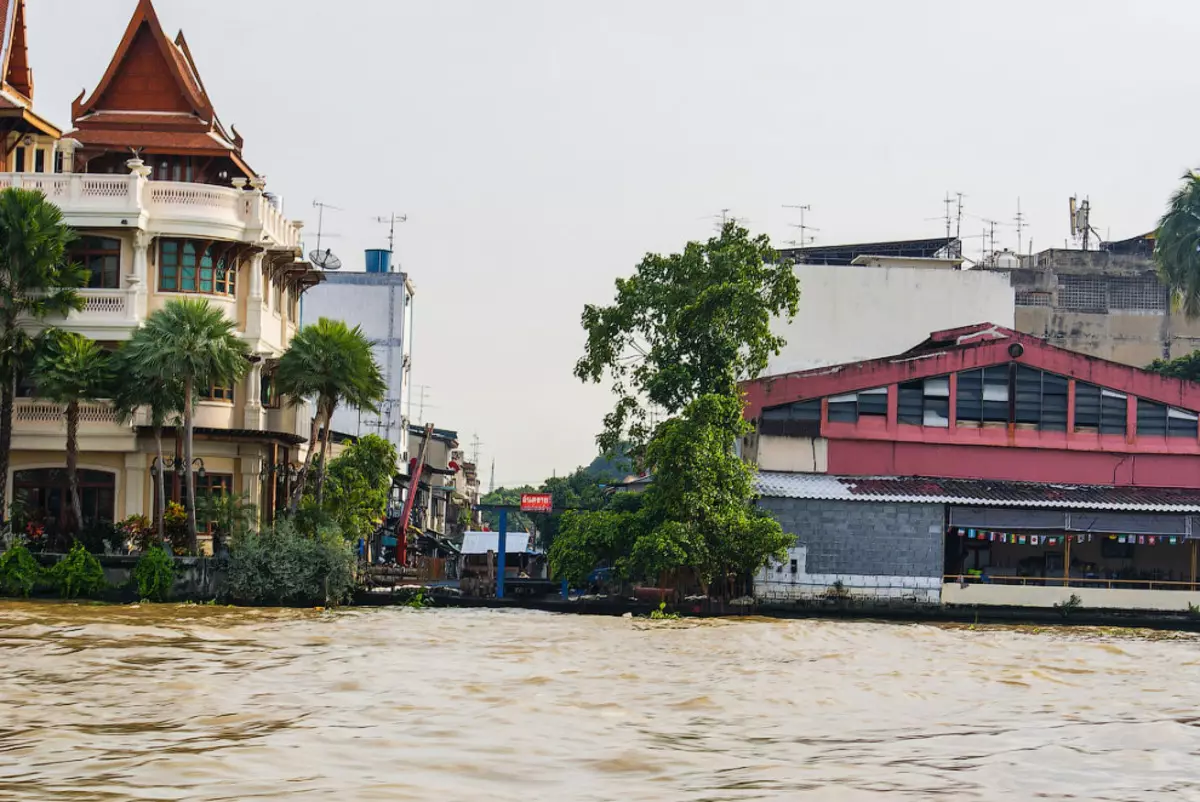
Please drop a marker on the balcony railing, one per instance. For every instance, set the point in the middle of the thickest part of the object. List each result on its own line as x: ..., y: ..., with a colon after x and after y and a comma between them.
x: 37, y: 412
x: 166, y: 206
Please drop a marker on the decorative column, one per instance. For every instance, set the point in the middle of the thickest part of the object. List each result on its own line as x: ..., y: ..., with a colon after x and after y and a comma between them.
x: 253, y: 395
x: 254, y: 303
x: 139, y: 279
x: 135, y: 485
x: 251, y: 467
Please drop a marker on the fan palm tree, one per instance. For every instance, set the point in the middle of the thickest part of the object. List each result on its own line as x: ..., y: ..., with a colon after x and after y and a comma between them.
x: 71, y: 369
x: 333, y: 363
x: 192, y: 344
x: 1177, y: 246
x: 36, y: 281
x: 164, y: 399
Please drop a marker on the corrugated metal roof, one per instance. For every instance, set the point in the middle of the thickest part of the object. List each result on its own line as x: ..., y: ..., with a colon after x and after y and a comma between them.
x: 483, y: 542
x: 979, y: 492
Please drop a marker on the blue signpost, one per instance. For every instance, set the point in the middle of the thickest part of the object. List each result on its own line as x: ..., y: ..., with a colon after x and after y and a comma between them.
x: 502, y: 547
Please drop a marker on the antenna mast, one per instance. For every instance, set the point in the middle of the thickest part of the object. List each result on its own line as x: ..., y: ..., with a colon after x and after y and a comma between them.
x: 805, y: 240
x: 321, y: 207
x: 1020, y: 218
x: 392, y: 220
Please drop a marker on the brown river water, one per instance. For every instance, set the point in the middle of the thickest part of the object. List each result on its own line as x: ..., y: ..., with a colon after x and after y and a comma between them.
x: 203, y: 703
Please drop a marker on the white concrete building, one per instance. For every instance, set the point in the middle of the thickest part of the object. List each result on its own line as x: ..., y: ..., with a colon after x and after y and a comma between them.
x: 862, y: 304
x: 381, y: 303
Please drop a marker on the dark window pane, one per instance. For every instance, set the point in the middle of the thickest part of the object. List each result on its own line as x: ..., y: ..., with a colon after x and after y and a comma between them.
x: 1181, y: 423
x: 873, y: 402
x: 1151, y: 418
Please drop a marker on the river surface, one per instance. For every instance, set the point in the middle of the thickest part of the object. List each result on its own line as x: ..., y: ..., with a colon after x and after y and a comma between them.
x: 203, y: 703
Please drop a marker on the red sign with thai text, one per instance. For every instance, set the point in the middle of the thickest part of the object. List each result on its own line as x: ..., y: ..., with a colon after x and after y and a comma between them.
x: 537, y: 502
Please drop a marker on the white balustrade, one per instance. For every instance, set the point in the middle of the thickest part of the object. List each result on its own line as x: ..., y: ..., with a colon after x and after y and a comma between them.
x: 235, y: 213
x: 33, y: 411
x: 105, y: 302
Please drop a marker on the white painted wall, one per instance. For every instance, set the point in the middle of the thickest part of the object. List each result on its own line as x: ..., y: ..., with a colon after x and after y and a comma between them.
x: 377, y: 303
x: 984, y: 594
x: 778, y: 583
x: 854, y: 313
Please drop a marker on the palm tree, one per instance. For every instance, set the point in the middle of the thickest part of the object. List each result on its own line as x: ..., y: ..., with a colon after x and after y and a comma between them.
x: 164, y: 399
x: 72, y: 369
x: 1177, y: 246
x: 36, y: 281
x: 333, y: 363
x: 193, y: 344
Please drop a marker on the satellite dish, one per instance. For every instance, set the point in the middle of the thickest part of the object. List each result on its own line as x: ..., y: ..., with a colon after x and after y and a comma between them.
x: 325, y: 260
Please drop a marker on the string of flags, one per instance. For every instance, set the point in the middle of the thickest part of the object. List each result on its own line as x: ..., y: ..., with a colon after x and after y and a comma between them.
x: 1058, y: 540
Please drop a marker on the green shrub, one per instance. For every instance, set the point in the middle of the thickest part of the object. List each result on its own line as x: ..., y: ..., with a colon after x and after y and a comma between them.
x: 285, y: 566
x: 78, y: 574
x: 154, y: 575
x: 19, y: 571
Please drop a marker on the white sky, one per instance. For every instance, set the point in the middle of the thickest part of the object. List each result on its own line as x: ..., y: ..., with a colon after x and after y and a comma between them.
x: 540, y: 147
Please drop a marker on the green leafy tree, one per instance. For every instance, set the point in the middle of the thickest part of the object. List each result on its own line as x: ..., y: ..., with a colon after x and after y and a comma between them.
x: 164, y: 398
x: 78, y: 574
x: 37, y: 281
x: 1177, y: 246
x: 703, y: 493
x: 19, y: 571
x: 360, y: 482
x: 333, y: 363
x: 686, y: 325
x: 154, y: 575
x: 192, y: 343
x: 587, y: 539
x: 1184, y: 367
x: 70, y: 370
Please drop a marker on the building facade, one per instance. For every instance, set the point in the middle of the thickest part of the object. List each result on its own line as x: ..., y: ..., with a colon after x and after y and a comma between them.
x: 983, y: 466
x: 165, y: 206
x: 381, y: 302
x: 1108, y: 303
x: 910, y: 288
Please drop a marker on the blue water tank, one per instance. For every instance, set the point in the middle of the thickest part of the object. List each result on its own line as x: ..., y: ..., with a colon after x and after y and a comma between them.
x: 379, y: 261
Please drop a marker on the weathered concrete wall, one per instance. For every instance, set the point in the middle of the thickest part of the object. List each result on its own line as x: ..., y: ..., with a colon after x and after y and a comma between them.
x: 793, y: 454
x: 1110, y: 306
x: 1089, y: 598
x: 853, y: 313
x: 887, y: 550
x: 196, y: 579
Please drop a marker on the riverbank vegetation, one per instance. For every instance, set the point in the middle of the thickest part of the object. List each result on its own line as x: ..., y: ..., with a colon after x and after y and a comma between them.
x: 677, y: 340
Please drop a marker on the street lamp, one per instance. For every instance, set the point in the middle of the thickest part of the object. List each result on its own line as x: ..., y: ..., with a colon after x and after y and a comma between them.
x: 178, y: 465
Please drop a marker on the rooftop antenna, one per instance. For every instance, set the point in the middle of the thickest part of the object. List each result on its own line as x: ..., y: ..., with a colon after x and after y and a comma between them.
x: 804, y: 229
x: 392, y: 220
x: 1020, y: 218
x: 424, y: 388
x: 492, y: 481
x: 1081, y: 223
x: 324, y: 259
x: 475, y: 444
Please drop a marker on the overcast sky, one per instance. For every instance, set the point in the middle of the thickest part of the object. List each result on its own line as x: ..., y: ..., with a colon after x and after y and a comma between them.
x: 541, y: 148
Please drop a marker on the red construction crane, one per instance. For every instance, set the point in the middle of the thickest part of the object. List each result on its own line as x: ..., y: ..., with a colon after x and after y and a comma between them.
x: 415, y: 469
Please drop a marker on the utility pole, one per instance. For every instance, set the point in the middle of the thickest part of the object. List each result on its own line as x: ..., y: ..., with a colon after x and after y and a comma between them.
x: 805, y: 240
x: 492, y: 481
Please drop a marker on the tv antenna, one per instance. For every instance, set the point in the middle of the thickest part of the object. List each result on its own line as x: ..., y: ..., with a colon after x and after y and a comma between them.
x: 392, y: 220
x: 805, y: 240
x: 1020, y: 218
x: 321, y: 207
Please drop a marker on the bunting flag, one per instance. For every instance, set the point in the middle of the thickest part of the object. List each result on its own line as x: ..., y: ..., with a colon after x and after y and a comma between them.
x: 1016, y: 539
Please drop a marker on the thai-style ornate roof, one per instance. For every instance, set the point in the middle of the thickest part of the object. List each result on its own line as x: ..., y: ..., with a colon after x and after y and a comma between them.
x: 16, y: 83
x: 152, y: 98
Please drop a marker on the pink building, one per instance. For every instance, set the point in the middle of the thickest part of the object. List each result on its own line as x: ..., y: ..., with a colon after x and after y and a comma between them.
x: 983, y: 466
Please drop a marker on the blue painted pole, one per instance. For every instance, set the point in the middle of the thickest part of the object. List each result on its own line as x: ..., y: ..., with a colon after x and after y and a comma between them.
x: 566, y: 591
x: 503, y: 549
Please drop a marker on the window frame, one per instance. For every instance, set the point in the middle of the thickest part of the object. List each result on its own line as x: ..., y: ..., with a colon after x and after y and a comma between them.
x: 183, y: 268
x: 87, y: 254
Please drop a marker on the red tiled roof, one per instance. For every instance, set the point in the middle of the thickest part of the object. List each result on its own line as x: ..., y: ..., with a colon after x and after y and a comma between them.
x: 171, y: 140
x: 981, y: 492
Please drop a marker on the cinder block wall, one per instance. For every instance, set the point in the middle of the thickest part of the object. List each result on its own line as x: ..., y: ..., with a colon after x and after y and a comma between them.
x: 870, y: 539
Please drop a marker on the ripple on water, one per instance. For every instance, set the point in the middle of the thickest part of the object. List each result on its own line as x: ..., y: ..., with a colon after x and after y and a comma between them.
x: 202, y: 703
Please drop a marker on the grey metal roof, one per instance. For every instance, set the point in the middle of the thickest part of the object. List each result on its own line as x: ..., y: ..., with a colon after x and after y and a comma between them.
x: 977, y: 492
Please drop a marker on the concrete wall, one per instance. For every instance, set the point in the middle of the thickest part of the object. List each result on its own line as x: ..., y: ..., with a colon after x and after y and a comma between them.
x: 884, y: 550
x: 377, y: 303
x: 792, y: 454
x: 1090, y: 598
x: 854, y: 313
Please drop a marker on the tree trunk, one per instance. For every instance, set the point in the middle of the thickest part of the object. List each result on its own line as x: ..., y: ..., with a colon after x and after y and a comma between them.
x: 161, y: 504
x: 302, y: 477
x: 75, y: 525
x: 323, y: 460
x: 6, y: 418
x: 189, y: 477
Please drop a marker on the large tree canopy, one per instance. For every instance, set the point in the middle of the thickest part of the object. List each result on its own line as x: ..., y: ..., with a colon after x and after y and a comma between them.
x: 687, y: 325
